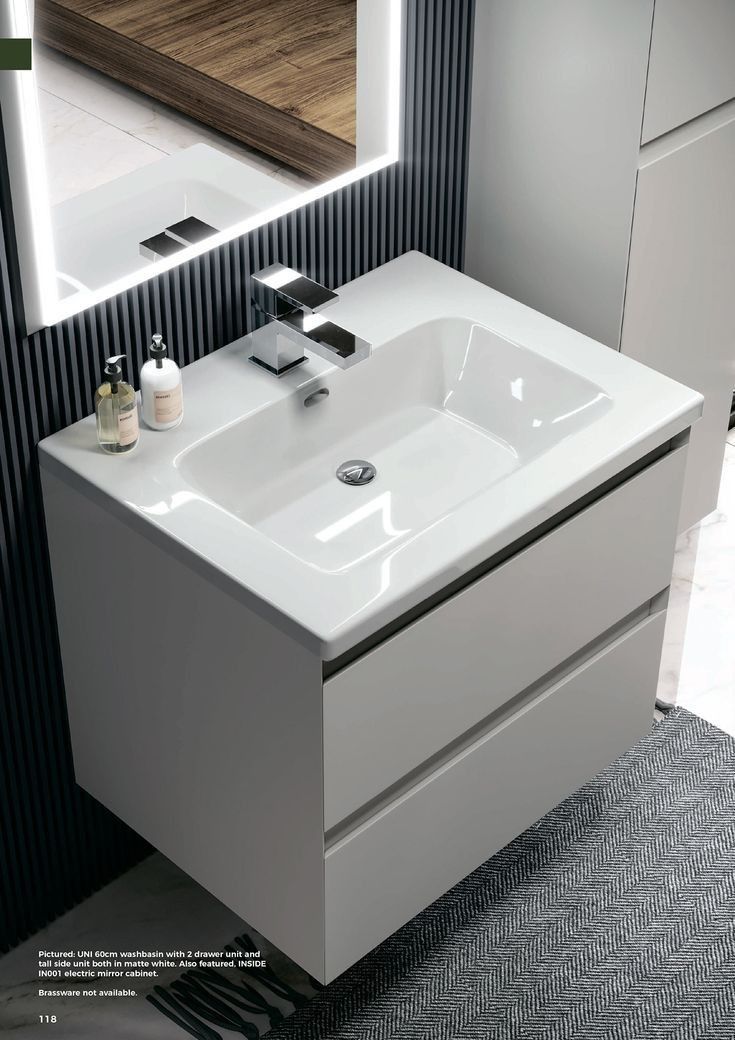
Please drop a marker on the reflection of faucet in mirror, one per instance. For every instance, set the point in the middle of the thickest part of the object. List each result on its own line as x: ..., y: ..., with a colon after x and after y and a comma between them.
x: 292, y: 302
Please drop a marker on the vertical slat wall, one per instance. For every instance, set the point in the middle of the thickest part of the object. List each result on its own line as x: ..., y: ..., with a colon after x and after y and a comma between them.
x: 56, y: 844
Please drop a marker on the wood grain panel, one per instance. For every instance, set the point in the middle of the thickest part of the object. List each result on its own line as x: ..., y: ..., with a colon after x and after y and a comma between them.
x: 279, y: 77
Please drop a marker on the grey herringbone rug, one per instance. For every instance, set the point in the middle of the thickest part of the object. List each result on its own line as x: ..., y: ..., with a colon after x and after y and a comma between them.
x: 613, y: 917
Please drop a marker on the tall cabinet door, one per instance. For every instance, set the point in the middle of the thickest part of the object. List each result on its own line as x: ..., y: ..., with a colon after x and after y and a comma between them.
x: 691, y: 68
x: 680, y: 301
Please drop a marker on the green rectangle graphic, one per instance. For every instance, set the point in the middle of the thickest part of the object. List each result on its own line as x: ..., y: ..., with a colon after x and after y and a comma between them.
x: 15, y: 54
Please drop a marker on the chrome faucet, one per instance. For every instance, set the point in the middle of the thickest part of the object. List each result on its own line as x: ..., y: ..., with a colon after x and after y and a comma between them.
x: 293, y: 303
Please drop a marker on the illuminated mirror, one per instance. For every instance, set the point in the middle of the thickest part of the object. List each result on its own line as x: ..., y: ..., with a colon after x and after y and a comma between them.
x: 149, y: 131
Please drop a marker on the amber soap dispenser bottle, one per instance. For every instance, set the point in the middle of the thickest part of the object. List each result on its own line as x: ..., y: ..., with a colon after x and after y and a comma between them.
x: 116, y: 408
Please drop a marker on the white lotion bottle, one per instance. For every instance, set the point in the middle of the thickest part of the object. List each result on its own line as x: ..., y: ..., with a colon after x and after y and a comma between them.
x: 162, y: 401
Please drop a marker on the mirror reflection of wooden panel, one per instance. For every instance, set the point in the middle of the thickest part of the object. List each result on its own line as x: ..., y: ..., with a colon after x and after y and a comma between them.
x: 278, y: 76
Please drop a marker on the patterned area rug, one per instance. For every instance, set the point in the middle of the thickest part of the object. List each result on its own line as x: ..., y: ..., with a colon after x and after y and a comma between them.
x: 613, y: 917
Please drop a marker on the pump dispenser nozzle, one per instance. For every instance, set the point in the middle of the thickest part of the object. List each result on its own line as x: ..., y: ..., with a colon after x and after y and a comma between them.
x: 158, y: 350
x: 113, y: 370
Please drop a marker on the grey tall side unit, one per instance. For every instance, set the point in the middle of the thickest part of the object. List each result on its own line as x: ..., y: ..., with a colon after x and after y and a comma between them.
x: 601, y: 185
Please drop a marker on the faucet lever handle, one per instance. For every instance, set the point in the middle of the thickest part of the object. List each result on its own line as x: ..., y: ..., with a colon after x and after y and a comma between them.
x: 278, y: 284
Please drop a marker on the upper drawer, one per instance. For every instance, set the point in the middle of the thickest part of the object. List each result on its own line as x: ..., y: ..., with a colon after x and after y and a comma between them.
x: 398, y: 705
x: 692, y: 63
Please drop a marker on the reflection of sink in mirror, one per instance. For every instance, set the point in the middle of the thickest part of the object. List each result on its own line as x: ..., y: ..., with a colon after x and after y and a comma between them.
x: 122, y: 88
x: 445, y: 391
x: 98, y: 233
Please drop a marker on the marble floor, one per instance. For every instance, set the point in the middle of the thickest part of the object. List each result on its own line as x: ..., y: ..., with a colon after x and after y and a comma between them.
x: 156, y: 906
x: 96, y: 129
x: 698, y: 663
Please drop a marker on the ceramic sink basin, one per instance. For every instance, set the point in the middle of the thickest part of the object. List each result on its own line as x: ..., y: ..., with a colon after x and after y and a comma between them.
x: 448, y: 410
x: 483, y: 419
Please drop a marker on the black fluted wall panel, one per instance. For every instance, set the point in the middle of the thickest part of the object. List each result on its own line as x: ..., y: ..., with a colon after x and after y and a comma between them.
x: 57, y: 844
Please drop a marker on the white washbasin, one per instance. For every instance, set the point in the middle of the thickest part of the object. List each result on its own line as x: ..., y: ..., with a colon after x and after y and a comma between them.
x: 483, y: 419
x: 444, y: 412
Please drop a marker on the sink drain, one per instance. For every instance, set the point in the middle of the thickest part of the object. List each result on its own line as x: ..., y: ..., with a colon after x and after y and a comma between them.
x: 356, y: 471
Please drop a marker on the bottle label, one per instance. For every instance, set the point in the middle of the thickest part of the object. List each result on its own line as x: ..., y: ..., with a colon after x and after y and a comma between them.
x: 127, y: 426
x: 167, y: 404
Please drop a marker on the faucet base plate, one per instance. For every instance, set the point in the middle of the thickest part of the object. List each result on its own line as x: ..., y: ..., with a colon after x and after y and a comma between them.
x: 277, y: 371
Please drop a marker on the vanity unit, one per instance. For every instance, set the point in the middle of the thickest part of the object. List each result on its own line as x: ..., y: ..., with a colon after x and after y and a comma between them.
x: 343, y: 698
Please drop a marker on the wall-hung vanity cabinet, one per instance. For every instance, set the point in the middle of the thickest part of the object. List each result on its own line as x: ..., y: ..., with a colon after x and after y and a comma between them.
x: 602, y: 159
x: 341, y: 700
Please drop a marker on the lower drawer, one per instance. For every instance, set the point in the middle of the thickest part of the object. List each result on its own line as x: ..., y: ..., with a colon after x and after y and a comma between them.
x: 396, y: 863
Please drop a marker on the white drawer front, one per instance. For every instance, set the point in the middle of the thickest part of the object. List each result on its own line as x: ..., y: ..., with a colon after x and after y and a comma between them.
x: 692, y: 65
x: 403, y: 702
x: 406, y: 856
